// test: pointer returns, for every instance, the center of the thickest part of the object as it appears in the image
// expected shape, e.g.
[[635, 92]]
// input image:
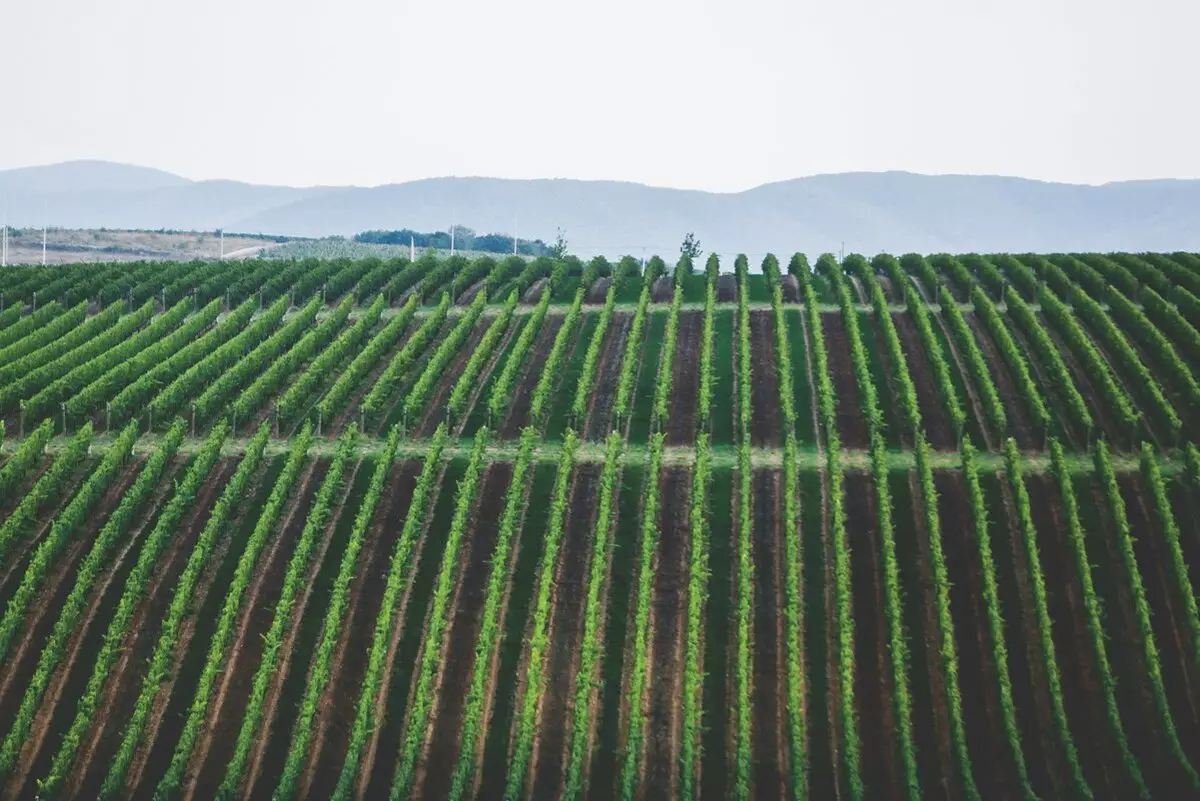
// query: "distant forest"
[[464, 239]]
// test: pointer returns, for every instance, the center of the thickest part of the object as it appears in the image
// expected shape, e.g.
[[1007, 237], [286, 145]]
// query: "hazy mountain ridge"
[[893, 211]]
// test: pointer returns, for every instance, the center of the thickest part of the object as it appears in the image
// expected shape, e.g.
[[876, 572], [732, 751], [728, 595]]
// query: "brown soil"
[[790, 285], [597, 292], [941, 436], [769, 690], [338, 706], [937, 767], [978, 682], [882, 772], [662, 290], [1014, 406], [515, 326], [608, 373], [124, 682], [70, 677], [859, 294], [336, 427], [685, 380], [1031, 693], [1072, 433], [548, 764], [468, 294], [1082, 693], [1102, 415], [852, 426], [889, 290], [765, 427], [668, 627], [444, 734], [270, 752], [534, 293], [1172, 632], [435, 409], [522, 397], [214, 746], [727, 288]]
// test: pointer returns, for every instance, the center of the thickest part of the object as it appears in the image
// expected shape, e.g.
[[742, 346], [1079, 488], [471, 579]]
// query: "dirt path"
[[852, 427], [534, 293], [338, 705], [604, 393], [468, 294], [444, 733], [124, 680], [597, 292], [548, 763], [522, 397], [769, 691], [668, 627], [941, 436], [873, 677], [662, 290], [727, 288], [765, 429], [685, 382], [992, 762], [214, 746], [790, 285]]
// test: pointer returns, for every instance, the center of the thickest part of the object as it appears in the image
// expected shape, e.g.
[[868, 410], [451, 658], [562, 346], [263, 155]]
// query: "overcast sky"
[[709, 95]]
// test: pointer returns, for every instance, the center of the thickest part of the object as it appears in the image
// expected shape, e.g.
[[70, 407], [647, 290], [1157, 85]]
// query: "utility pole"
[[222, 233], [516, 219], [44, 225], [4, 247], [412, 248], [452, 227]]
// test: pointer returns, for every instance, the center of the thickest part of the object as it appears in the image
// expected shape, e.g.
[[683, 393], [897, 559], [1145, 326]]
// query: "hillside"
[[869, 212], [922, 527]]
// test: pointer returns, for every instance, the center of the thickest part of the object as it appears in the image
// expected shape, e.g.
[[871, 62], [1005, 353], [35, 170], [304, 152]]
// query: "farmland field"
[[916, 527]]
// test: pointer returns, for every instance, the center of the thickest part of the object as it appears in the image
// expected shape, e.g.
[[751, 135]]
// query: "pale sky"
[[706, 95]]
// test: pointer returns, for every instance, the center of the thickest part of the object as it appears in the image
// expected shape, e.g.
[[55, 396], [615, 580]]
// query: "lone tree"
[[690, 246], [559, 249]]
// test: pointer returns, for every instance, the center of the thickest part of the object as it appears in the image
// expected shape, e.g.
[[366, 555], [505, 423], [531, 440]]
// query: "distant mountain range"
[[868, 212]]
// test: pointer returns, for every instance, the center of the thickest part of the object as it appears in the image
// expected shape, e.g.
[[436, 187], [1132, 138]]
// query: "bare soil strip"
[[518, 410], [852, 427], [765, 430], [436, 407], [1014, 406], [685, 386], [608, 371], [727, 288], [941, 436]]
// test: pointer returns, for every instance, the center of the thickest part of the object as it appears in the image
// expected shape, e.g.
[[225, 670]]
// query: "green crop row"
[[1106, 330], [162, 661], [851, 746], [1169, 318], [136, 585], [80, 377], [553, 366], [320, 673], [933, 345], [502, 390], [323, 367], [587, 682], [271, 513], [1052, 361], [1191, 456], [783, 362], [640, 666], [65, 343], [422, 390], [793, 549], [192, 381], [587, 377], [1176, 273], [293, 584], [917, 265], [74, 606], [539, 636], [385, 624], [1189, 304], [745, 408], [1018, 367], [991, 597], [947, 644], [859, 359], [629, 363], [690, 754], [389, 381], [1091, 603], [48, 486], [387, 337], [37, 339], [147, 384], [960, 331], [217, 393], [666, 367], [986, 273], [490, 633], [1135, 321], [744, 617], [949, 265], [64, 527], [377, 274], [28, 454], [405, 279], [153, 351], [907, 395], [1019, 276], [251, 399], [1024, 522], [1113, 273], [438, 623], [1112, 492], [487, 346], [29, 324]]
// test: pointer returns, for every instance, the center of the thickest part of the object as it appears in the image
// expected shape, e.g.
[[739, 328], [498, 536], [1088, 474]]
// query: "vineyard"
[[900, 527]]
